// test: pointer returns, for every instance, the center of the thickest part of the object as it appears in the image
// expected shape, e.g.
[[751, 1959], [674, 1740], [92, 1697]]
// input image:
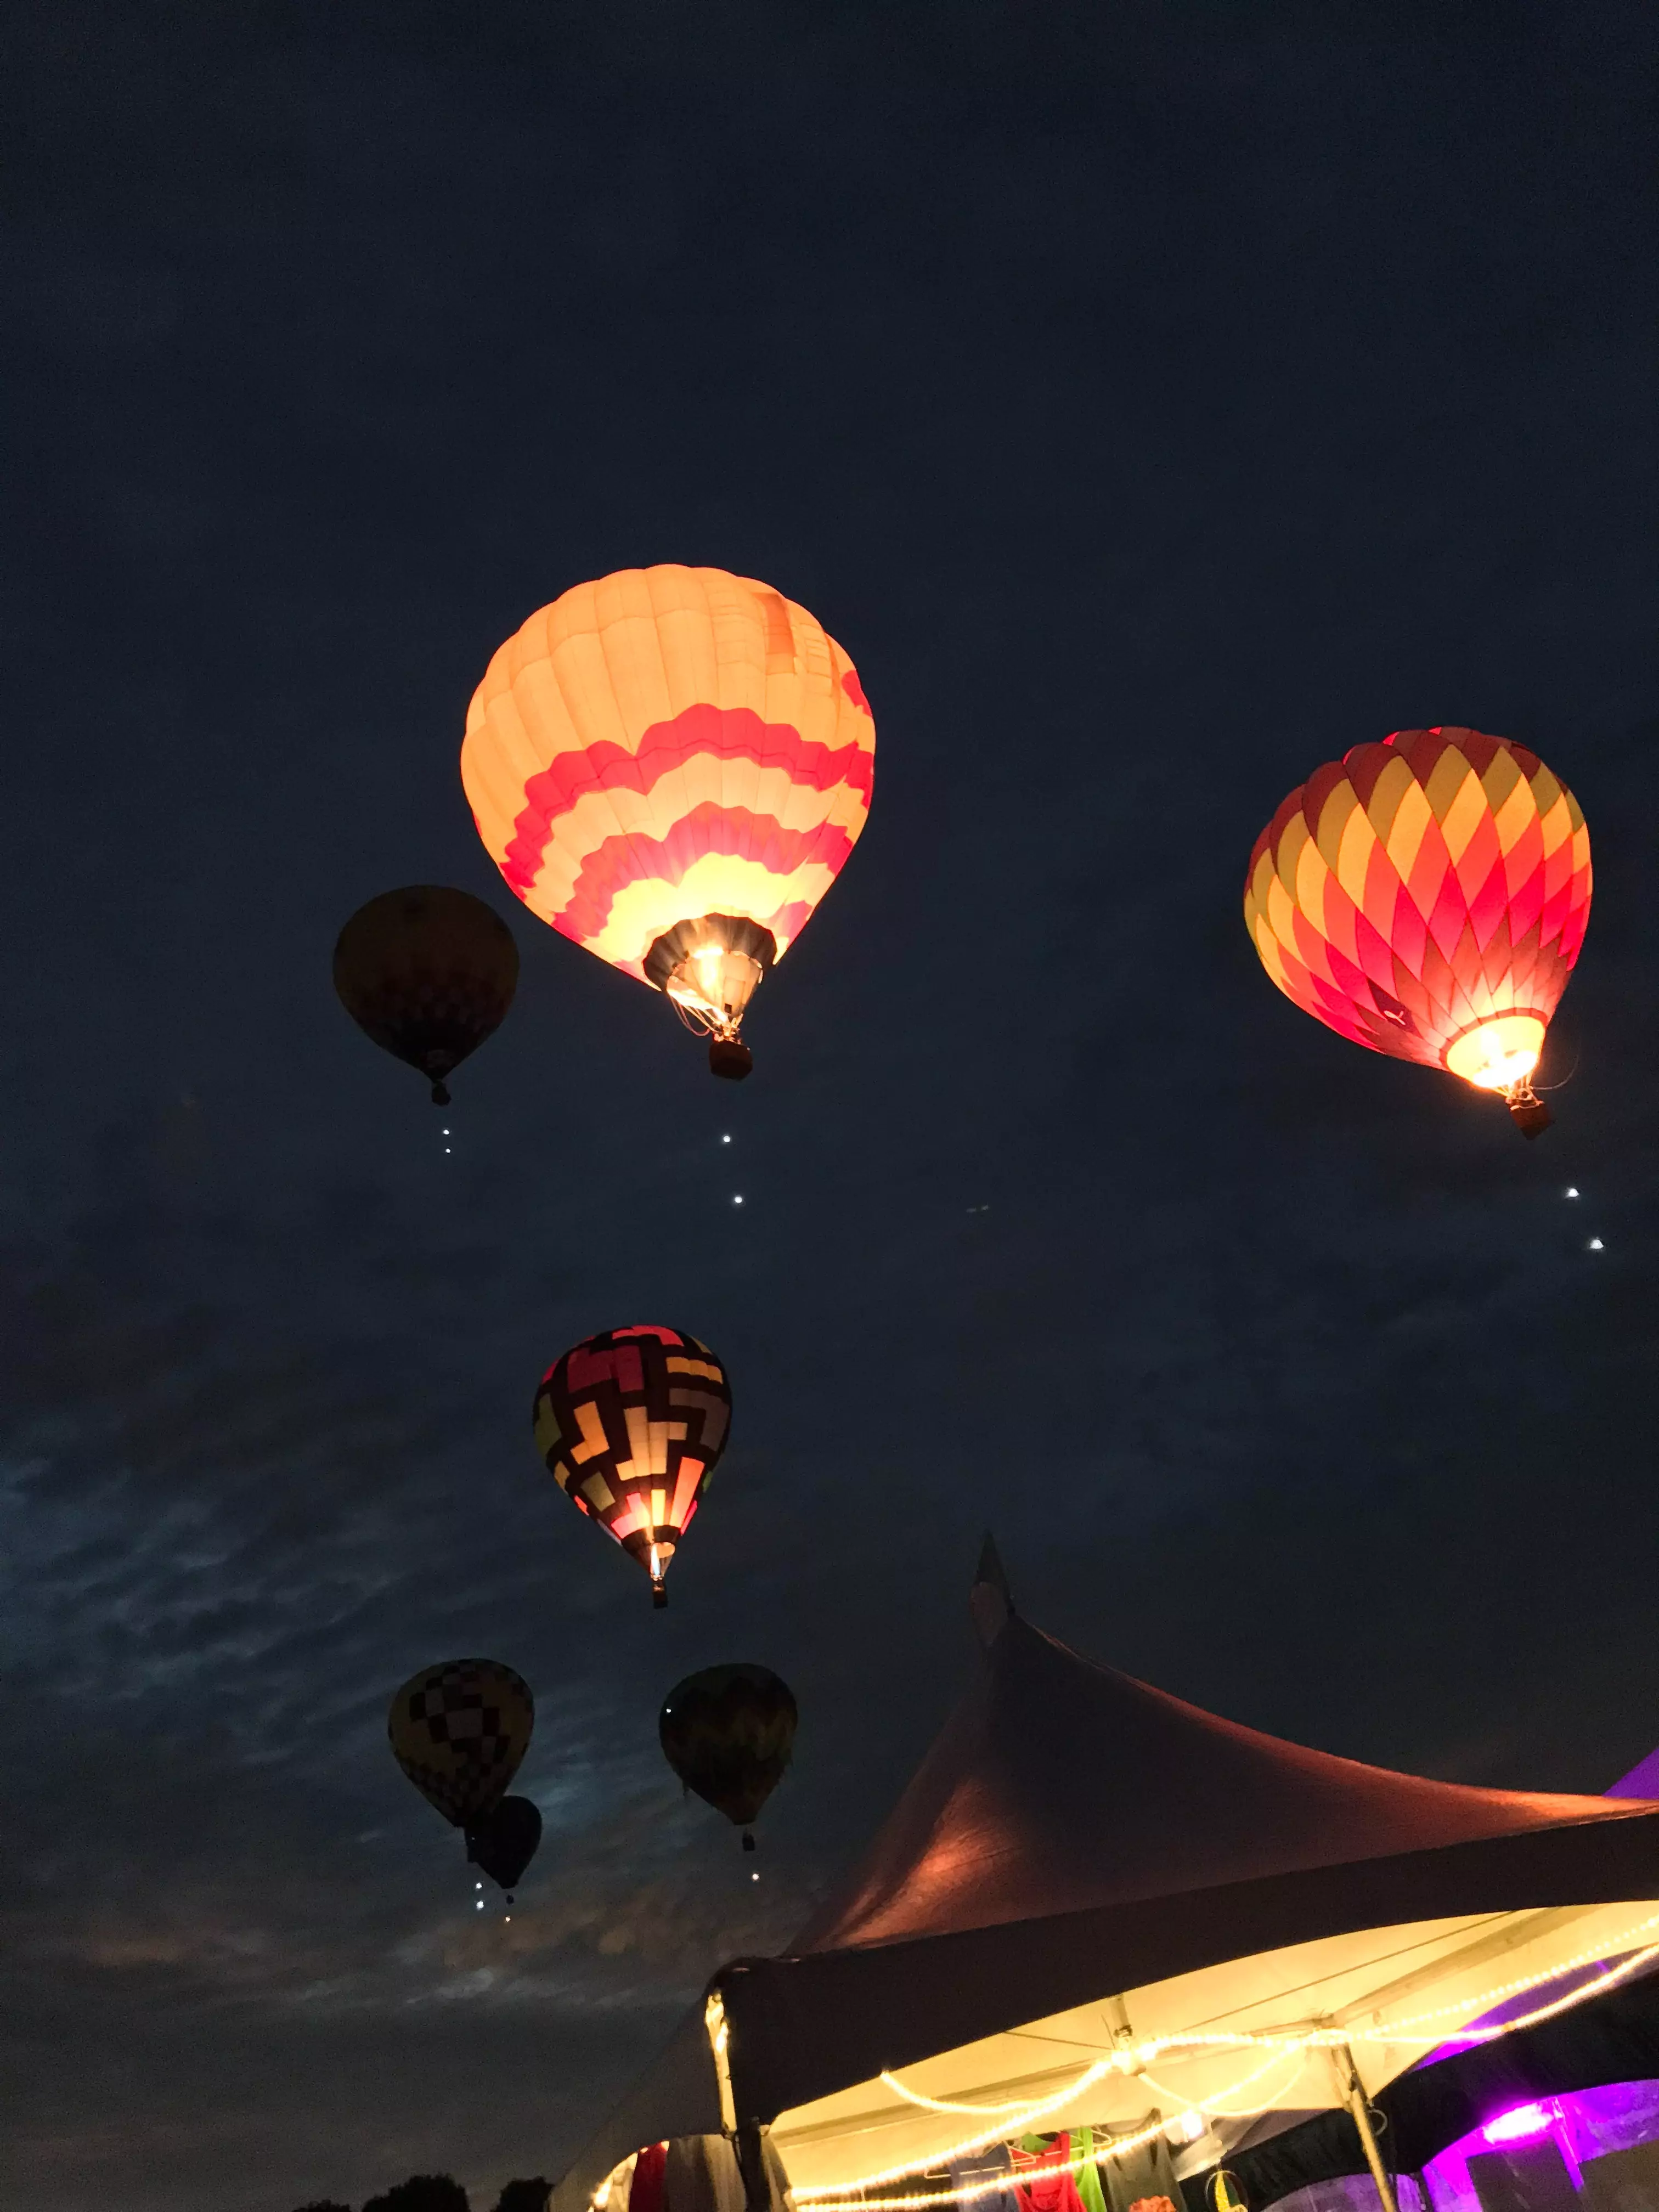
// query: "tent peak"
[[989, 1602]]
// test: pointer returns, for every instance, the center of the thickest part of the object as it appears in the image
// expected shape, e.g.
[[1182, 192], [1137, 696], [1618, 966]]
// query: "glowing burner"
[[1500, 1055]]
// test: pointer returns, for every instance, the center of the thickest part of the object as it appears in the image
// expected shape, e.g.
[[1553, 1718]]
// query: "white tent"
[[1083, 1867]]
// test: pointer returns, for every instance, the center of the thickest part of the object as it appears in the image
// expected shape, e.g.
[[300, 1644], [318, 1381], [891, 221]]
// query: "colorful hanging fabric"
[[1042, 2182]]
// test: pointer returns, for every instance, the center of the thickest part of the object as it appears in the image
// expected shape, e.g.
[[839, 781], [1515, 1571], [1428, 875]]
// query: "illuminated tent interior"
[[1531, 2118], [1096, 1904]]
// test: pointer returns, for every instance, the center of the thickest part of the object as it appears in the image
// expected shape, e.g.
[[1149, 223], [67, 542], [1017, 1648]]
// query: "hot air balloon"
[[728, 1732], [670, 767], [1427, 897], [459, 1731], [505, 1841], [429, 973], [630, 1424]]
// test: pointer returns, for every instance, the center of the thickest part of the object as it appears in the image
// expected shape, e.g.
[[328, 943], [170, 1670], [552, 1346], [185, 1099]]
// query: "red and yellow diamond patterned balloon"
[[670, 767], [630, 1424], [1427, 897]]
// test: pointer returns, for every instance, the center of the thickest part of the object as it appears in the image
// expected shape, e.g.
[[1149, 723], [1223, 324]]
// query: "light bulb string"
[[1215, 2105], [1016, 2117], [845, 2197]]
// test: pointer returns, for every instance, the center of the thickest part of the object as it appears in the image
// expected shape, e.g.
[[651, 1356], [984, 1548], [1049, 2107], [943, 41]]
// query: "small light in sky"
[[754, 1877], [725, 1141], [477, 1885], [738, 1199], [480, 1905], [1595, 1244], [1572, 1190]]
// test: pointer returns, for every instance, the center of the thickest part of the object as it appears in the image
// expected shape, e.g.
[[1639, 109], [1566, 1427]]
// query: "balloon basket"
[[748, 1841], [1530, 1115], [659, 1597], [731, 1058]]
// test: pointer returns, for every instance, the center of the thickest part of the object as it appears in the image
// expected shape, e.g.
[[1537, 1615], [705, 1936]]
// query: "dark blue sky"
[[1155, 400]]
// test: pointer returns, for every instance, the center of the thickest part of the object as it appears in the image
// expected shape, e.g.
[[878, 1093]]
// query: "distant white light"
[[480, 1906], [1595, 1244], [445, 1133], [738, 1199], [725, 1141], [477, 1885], [754, 1877], [1572, 1190]]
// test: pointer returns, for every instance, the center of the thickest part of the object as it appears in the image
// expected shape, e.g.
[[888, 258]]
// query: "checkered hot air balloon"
[[729, 1732], [630, 1424], [670, 767], [459, 1731], [1427, 897], [429, 973]]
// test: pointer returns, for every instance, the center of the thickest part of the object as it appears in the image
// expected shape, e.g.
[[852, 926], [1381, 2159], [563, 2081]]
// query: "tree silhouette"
[[524, 2196], [423, 2193], [324, 2204]]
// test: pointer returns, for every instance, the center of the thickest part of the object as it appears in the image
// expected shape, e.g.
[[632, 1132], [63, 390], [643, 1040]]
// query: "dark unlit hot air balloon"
[[630, 1424], [670, 767], [1427, 897], [505, 1841], [459, 1731], [429, 973], [728, 1733]]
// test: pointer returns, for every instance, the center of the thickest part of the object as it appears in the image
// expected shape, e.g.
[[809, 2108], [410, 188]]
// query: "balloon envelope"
[[630, 1424], [429, 973], [506, 1840], [670, 767], [728, 1733], [459, 1731], [1427, 897]]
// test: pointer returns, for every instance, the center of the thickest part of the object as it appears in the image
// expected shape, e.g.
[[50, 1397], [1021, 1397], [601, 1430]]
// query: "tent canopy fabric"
[[1076, 1840]]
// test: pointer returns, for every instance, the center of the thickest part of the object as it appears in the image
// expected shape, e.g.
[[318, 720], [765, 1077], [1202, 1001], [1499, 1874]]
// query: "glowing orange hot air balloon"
[[670, 767], [1427, 897]]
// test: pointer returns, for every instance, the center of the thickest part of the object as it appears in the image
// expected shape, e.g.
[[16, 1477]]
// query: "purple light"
[[1519, 2122]]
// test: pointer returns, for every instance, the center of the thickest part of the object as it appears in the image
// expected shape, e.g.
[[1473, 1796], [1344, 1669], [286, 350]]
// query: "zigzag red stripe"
[[727, 733], [707, 829]]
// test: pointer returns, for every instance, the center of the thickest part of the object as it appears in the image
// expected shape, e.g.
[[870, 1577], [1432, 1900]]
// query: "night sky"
[[1155, 400]]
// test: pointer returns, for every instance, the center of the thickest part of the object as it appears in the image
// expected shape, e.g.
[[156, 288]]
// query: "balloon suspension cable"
[[702, 1020], [1565, 1079]]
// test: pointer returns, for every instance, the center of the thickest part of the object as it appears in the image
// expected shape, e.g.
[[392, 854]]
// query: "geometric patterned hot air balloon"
[[670, 767], [630, 1424], [1427, 897], [459, 1731], [728, 1733], [429, 973]]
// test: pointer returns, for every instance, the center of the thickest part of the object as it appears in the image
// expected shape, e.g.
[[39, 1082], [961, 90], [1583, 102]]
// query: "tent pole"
[[1354, 2093]]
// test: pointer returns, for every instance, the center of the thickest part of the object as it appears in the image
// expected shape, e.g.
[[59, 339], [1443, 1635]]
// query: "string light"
[[1216, 2105], [1023, 2105], [1015, 2118], [843, 2196]]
